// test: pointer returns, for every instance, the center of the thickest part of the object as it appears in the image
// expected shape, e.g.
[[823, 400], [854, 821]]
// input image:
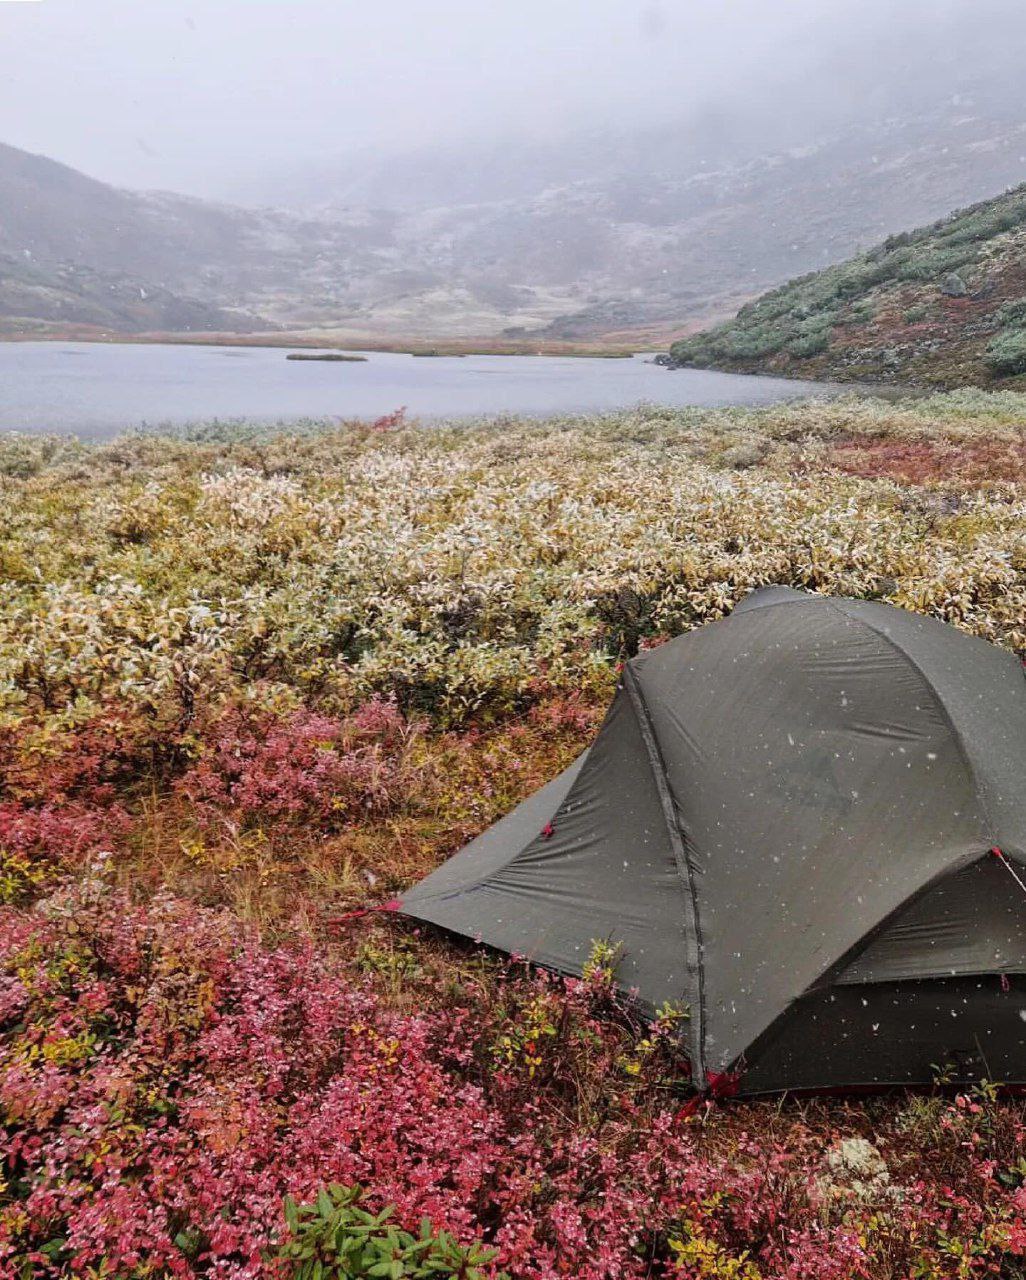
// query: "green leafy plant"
[[603, 960], [1013, 314], [916, 275], [335, 1238], [1006, 353]]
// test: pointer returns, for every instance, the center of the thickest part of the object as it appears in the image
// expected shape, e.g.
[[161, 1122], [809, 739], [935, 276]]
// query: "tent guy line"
[[1008, 866]]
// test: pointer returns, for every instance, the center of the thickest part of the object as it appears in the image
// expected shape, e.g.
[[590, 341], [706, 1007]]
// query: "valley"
[[632, 239]]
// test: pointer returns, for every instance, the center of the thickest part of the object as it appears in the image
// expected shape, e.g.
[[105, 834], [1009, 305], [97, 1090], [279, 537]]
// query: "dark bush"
[[1006, 354], [1013, 314], [812, 344]]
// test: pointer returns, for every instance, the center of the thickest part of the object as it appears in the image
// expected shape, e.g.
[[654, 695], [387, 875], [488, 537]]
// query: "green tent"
[[806, 822]]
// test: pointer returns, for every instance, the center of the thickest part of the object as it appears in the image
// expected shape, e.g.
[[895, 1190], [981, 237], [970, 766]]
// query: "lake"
[[100, 389]]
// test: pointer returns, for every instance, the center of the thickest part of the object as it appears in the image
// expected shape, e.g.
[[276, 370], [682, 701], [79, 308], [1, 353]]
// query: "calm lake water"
[[99, 389]]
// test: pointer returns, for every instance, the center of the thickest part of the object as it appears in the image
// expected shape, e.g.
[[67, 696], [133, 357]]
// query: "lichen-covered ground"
[[252, 682]]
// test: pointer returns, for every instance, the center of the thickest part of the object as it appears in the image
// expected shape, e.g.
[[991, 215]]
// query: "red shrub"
[[164, 1083], [567, 714], [307, 767], [393, 421], [89, 762], [61, 792], [923, 461], [66, 834]]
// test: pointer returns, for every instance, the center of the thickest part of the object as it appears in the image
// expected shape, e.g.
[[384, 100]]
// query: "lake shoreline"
[[299, 340], [105, 389]]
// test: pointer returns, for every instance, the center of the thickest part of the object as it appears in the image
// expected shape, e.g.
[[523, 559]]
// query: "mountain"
[[74, 251], [661, 228], [77, 251], [639, 234], [944, 305]]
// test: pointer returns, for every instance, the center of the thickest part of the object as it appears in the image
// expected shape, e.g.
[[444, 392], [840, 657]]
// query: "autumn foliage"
[[166, 1081], [252, 685]]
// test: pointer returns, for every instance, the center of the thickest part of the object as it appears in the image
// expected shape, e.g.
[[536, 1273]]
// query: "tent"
[[806, 822]]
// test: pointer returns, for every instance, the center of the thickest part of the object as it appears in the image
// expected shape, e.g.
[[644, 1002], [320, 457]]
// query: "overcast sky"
[[195, 95]]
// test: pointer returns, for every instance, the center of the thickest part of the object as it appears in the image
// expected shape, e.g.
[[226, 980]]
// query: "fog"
[[208, 96]]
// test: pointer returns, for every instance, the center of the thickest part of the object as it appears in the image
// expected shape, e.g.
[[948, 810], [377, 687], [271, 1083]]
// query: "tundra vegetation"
[[942, 306], [252, 682]]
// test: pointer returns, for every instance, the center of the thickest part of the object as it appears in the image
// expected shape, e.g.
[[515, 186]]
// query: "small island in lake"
[[325, 355]]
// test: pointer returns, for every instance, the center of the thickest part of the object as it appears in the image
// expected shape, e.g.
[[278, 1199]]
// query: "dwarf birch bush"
[[456, 568]]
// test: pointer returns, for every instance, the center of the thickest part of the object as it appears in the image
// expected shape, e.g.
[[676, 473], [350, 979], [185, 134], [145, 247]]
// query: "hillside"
[[77, 251], [944, 306], [649, 232], [74, 251]]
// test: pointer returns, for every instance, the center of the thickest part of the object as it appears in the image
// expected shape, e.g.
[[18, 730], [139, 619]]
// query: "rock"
[[855, 1170], [747, 453], [953, 286], [856, 1158]]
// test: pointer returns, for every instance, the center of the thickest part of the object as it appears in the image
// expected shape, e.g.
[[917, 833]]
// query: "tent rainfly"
[[806, 822]]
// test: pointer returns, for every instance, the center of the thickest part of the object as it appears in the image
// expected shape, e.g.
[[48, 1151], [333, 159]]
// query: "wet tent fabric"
[[786, 820]]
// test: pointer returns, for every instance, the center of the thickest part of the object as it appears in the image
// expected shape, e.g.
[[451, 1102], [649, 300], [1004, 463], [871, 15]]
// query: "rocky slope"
[[74, 251], [664, 229], [944, 305]]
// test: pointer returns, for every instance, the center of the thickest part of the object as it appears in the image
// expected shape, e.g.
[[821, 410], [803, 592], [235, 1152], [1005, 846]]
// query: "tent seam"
[[692, 931], [825, 978], [978, 787]]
